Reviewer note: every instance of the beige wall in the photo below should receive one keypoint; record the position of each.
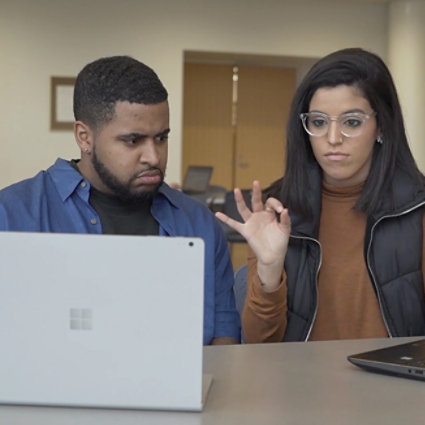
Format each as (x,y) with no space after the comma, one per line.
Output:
(41,38)
(406,59)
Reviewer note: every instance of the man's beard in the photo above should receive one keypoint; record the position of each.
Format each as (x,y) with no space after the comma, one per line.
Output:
(120,190)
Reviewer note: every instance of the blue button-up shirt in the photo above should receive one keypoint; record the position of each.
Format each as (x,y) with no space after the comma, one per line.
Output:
(57,200)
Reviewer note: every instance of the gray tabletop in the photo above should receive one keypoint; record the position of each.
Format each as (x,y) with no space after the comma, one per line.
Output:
(287,383)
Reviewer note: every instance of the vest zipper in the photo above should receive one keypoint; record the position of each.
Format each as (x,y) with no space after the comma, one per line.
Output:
(368,259)
(317,274)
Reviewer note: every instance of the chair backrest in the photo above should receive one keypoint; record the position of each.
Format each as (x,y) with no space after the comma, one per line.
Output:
(239,289)
(216,197)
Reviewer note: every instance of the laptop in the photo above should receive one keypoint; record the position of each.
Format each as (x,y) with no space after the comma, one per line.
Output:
(407,360)
(102,321)
(197,179)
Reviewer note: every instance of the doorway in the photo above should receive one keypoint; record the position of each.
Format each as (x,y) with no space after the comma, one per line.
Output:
(234,119)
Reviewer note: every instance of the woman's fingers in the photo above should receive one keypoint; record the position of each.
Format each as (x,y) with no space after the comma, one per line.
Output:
(285,221)
(279,214)
(273,204)
(256,197)
(235,225)
(243,210)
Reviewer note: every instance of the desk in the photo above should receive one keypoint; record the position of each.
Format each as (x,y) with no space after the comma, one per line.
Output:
(267,384)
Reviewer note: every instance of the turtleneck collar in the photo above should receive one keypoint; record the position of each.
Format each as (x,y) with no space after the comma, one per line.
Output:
(346,192)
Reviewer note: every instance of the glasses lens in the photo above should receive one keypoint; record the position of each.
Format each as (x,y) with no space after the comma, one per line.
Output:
(352,125)
(316,124)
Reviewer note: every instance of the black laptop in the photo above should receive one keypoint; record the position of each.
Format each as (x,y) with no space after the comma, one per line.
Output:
(197,179)
(407,360)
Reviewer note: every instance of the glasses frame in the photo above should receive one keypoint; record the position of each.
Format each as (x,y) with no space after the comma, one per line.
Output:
(306,115)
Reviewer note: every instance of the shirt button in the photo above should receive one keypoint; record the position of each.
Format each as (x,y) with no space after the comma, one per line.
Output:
(83,184)
(93,221)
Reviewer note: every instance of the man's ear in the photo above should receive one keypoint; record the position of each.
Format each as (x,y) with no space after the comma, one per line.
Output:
(83,136)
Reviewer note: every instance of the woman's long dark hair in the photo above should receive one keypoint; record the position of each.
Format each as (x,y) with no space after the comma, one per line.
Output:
(369,74)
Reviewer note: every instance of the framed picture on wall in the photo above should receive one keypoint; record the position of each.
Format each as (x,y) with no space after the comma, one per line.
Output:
(61,94)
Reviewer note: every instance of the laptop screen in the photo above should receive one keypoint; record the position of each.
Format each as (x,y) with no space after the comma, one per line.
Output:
(197,179)
(101,320)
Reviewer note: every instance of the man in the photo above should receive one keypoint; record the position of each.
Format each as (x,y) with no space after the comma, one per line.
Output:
(117,187)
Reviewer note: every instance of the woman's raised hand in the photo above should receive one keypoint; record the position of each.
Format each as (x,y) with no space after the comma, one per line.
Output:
(266,228)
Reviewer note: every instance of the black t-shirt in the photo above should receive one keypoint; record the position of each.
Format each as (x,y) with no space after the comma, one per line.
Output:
(122,218)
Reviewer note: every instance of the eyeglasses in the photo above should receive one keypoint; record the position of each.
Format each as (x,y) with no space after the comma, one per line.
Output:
(352,124)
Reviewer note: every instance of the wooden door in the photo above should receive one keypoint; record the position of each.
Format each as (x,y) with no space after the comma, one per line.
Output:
(264,97)
(246,146)
(263,102)
(207,120)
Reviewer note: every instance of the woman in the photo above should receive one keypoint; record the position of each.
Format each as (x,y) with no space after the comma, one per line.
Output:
(337,247)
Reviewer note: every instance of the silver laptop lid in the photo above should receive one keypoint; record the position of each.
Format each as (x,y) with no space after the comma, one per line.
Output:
(101,320)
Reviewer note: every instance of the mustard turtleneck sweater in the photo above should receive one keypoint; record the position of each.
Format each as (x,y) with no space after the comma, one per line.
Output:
(347,304)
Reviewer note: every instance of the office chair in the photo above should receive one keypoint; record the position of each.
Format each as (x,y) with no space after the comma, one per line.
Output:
(215,197)
(239,289)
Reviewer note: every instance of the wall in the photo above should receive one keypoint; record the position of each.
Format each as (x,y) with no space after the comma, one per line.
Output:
(406,59)
(42,38)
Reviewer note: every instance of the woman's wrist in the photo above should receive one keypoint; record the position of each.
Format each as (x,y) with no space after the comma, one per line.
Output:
(270,275)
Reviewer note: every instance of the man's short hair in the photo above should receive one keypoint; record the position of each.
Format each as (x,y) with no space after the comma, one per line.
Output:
(106,81)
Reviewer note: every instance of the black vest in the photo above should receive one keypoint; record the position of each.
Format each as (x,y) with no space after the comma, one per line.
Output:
(393,255)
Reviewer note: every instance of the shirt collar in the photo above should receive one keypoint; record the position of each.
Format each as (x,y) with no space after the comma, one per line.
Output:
(67,180)
(170,194)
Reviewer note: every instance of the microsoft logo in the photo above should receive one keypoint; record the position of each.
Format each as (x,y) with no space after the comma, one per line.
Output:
(81,319)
